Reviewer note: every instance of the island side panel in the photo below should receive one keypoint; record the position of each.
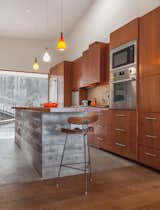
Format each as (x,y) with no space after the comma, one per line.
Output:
(28,136)
(53,142)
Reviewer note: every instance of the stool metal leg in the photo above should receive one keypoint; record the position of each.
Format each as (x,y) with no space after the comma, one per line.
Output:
(85,162)
(89,162)
(59,171)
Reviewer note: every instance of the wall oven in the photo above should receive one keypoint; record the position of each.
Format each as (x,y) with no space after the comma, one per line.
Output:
(123,76)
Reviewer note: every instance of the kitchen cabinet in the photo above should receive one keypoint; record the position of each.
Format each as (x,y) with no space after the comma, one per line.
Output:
(149,44)
(125,34)
(95,64)
(149,157)
(62,73)
(149,130)
(124,133)
(149,97)
(76,73)
(116,131)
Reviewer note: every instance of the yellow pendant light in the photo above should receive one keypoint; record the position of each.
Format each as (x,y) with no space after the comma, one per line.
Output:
(36,64)
(61,45)
(46,56)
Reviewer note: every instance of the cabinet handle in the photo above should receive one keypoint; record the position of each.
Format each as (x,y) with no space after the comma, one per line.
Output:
(151,118)
(120,129)
(100,126)
(100,139)
(120,145)
(121,115)
(150,154)
(151,137)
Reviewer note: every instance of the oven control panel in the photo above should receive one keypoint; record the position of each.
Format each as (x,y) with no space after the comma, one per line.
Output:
(123,74)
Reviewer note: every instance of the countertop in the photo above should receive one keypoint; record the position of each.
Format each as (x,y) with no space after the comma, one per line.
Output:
(63,109)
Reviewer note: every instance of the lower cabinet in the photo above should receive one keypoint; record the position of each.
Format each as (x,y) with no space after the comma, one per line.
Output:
(123,137)
(116,132)
(149,139)
(149,157)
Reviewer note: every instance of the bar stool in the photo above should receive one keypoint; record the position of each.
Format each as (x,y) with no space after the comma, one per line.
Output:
(84,122)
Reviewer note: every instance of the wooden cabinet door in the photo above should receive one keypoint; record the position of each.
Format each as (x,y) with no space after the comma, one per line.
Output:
(149,130)
(76,73)
(149,44)
(85,69)
(149,94)
(124,133)
(124,34)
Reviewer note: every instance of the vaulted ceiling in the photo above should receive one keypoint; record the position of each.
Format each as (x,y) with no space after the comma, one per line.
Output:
(27,18)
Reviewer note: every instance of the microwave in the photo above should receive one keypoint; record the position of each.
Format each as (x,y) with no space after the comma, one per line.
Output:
(123,56)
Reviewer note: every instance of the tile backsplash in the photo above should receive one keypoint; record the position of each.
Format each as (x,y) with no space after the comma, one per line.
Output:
(101,93)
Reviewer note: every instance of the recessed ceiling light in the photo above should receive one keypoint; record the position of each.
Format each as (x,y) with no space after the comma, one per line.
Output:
(28,10)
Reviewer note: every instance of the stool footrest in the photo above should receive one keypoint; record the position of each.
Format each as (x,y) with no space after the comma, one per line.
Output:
(67,166)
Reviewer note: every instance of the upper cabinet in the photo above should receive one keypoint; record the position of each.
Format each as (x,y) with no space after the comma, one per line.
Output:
(60,79)
(76,73)
(95,64)
(125,34)
(149,44)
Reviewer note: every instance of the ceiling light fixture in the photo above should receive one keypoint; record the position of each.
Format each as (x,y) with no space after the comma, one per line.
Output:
(46,56)
(36,64)
(61,45)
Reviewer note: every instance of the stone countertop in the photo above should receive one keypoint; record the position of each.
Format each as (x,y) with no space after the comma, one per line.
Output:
(63,109)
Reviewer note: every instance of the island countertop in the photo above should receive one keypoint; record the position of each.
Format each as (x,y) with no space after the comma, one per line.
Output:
(63,109)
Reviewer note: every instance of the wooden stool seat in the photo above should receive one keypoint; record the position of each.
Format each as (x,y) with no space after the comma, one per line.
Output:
(78,130)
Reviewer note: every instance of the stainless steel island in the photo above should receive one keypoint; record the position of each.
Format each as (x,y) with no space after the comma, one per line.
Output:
(38,134)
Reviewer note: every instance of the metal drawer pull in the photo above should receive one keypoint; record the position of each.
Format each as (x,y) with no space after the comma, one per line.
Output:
(151,118)
(120,129)
(121,115)
(100,126)
(151,137)
(120,145)
(100,139)
(150,154)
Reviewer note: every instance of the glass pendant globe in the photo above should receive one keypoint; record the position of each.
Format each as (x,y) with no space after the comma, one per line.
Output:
(46,56)
(36,65)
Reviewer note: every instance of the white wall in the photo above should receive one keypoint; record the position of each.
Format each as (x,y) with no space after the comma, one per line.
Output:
(19,54)
(103,17)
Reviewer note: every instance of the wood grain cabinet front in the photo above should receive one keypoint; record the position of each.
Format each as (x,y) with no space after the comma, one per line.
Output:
(149,44)
(149,157)
(95,64)
(149,97)
(76,73)
(149,130)
(124,133)
(125,34)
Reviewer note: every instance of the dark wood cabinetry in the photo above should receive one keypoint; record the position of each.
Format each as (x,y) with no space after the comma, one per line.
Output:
(63,71)
(95,64)
(116,131)
(76,73)
(125,34)
(149,89)
(149,44)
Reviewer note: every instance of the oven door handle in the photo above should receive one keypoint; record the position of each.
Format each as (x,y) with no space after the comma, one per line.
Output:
(124,80)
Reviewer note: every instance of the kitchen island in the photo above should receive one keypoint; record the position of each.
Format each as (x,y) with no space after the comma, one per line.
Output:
(38,134)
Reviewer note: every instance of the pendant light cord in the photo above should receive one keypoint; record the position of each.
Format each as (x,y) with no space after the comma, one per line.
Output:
(61,15)
(46,18)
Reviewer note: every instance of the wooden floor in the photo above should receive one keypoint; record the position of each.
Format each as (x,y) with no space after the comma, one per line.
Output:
(128,188)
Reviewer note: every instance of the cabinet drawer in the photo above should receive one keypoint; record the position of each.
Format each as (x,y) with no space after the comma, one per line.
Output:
(120,137)
(150,157)
(150,123)
(149,132)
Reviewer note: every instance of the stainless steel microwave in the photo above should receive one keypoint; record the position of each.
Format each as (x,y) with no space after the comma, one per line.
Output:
(123,56)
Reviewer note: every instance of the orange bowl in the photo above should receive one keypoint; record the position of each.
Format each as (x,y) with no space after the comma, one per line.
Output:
(50,105)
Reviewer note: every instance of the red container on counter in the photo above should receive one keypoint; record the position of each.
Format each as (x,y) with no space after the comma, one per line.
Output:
(50,105)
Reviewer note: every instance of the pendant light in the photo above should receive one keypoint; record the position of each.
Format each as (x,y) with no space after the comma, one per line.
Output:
(36,64)
(46,56)
(61,45)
